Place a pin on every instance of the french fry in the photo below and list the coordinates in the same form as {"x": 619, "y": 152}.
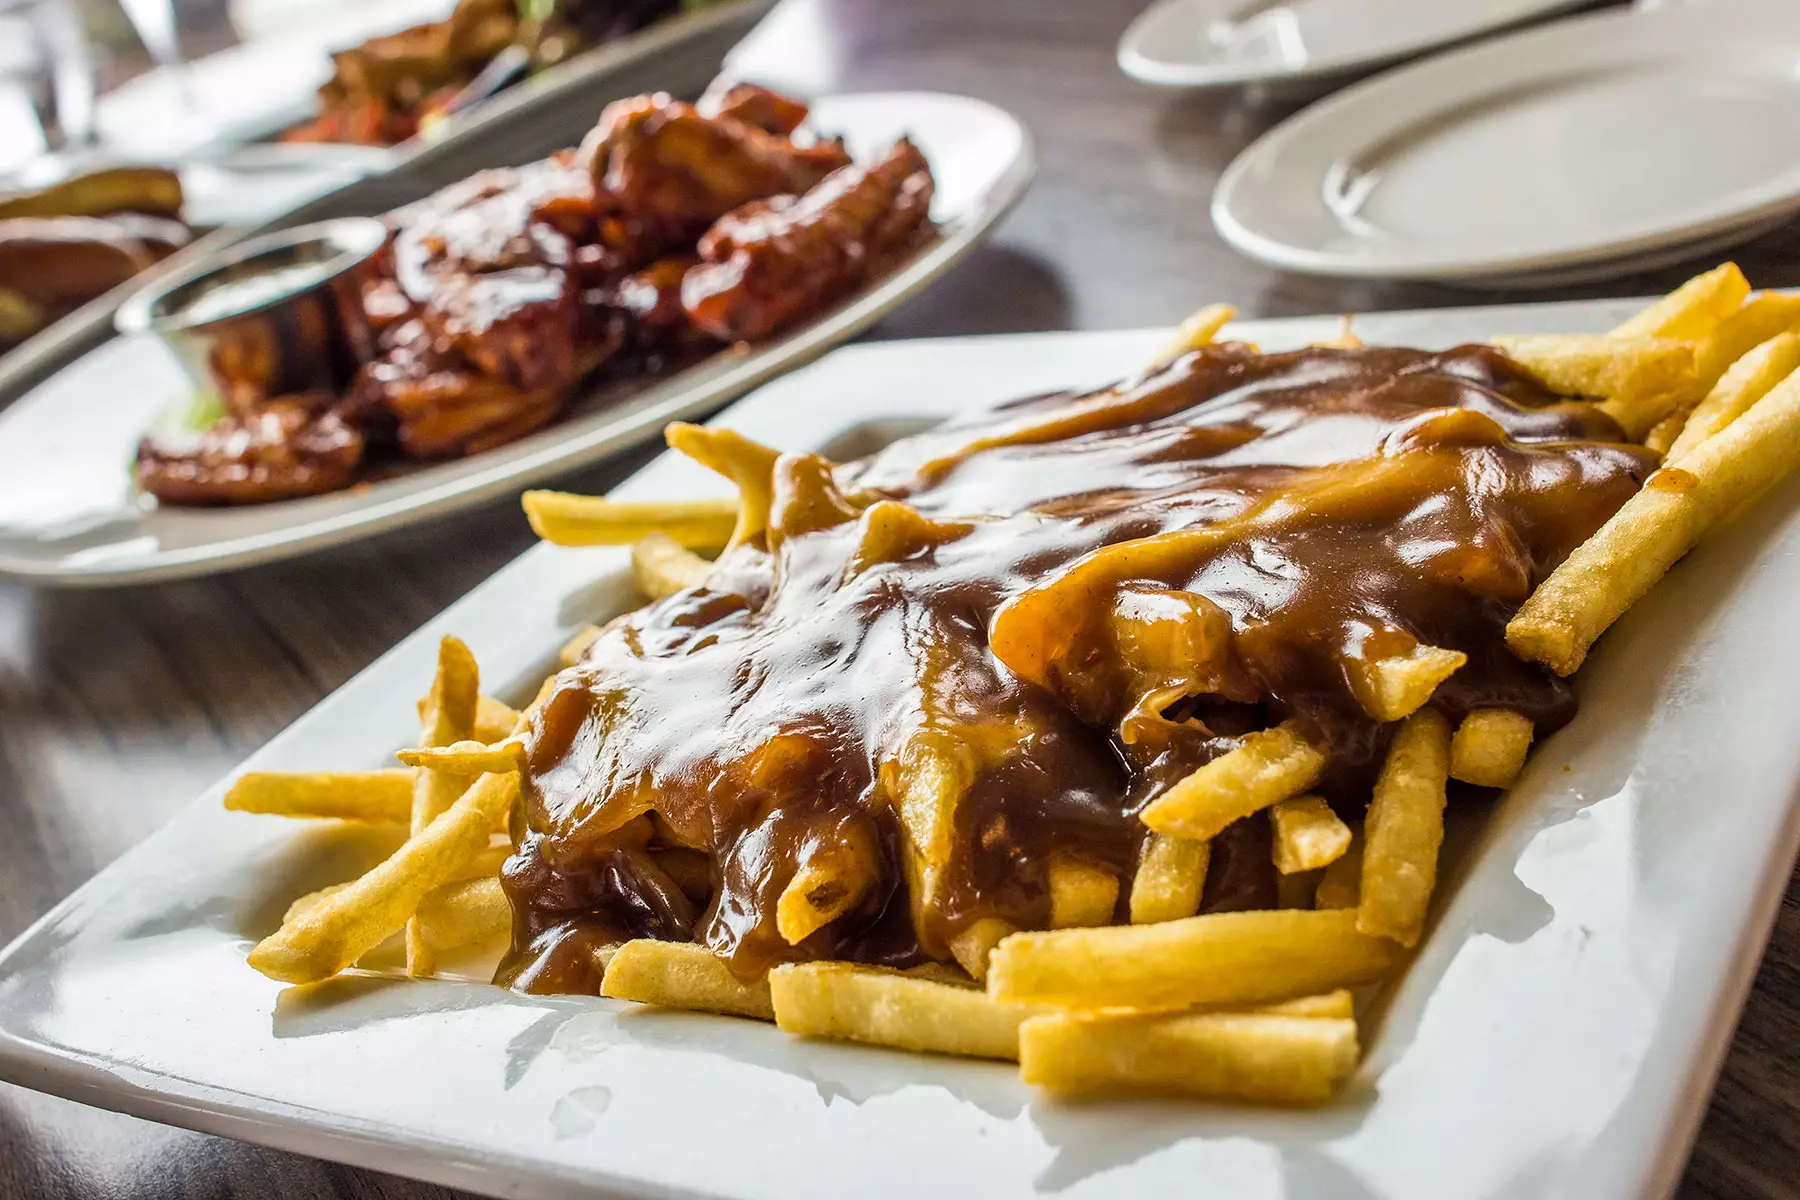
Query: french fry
{"x": 449, "y": 718}
{"x": 1170, "y": 877}
{"x": 1601, "y": 366}
{"x": 464, "y": 914}
{"x": 973, "y": 948}
{"x": 352, "y": 922}
{"x": 1341, "y": 884}
{"x": 310, "y": 901}
{"x": 1221, "y": 959}
{"x": 828, "y": 884}
{"x": 927, "y": 783}
{"x": 1693, "y": 309}
{"x": 571, "y": 520}
{"x": 493, "y": 719}
{"x": 1296, "y": 1061}
{"x": 748, "y": 464}
{"x": 1398, "y": 685}
{"x": 662, "y": 566}
{"x": 575, "y": 647}
{"x": 1613, "y": 569}
{"x": 886, "y": 1008}
{"x": 466, "y": 758}
{"x": 1490, "y": 746}
{"x": 1404, "y": 829}
{"x": 683, "y": 975}
{"x": 1198, "y": 330}
{"x": 485, "y": 865}
{"x": 1745, "y": 382}
{"x": 1266, "y": 766}
{"x": 1308, "y": 835}
{"x": 1638, "y": 380}
{"x": 1081, "y": 894}
{"x": 1761, "y": 318}
{"x": 1769, "y": 315}
{"x": 1338, "y": 1004}
{"x": 378, "y": 797}
{"x": 1662, "y": 435}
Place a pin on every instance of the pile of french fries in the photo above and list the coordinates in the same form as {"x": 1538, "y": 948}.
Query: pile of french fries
{"x": 1241, "y": 1006}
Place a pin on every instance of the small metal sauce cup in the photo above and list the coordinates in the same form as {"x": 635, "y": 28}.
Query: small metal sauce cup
{"x": 302, "y": 330}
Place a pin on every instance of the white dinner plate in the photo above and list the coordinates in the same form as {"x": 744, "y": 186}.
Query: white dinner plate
{"x": 1237, "y": 43}
{"x": 69, "y": 514}
{"x": 1557, "y": 1034}
{"x": 1608, "y": 137}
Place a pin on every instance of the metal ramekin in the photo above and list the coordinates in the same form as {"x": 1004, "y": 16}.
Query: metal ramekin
{"x": 306, "y": 339}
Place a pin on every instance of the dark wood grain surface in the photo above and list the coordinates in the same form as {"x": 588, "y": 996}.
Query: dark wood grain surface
{"x": 118, "y": 707}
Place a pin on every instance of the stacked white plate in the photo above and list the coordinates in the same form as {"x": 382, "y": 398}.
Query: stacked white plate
{"x": 1303, "y": 45}
{"x": 1579, "y": 149}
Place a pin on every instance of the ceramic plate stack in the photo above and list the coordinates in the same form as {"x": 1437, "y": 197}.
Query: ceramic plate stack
{"x": 1584, "y": 148}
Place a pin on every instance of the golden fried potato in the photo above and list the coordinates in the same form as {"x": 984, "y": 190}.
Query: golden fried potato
{"x": 1308, "y": 835}
{"x": 683, "y": 975}
{"x": 1490, "y": 746}
{"x": 887, "y": 1008}
{"x": 1081, "y": 894}
{"x": 350, "y": 923}
{"x": 379, "y": 797}
{"x": 1170, "y": 877}
{"x": 1692, "y": 310}
{"x": 1296, "y": 1061}
{"x": 1200, "y": 329}
{"x": 1399, "y": 685}
{"x": 1404, "y": 829}
{"x": 1614, "y": 569}
{"x": 662, "y": 566}
{"x": 570, "y": 520}
{"x": 1221, "y": 958}
{"x": 1266, "y": 766}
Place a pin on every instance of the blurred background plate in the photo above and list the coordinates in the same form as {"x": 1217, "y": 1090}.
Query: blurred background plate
{"x": 261, "y": 188}
{"x": 71, "y": 515}
{"x": 1305, "y": 43}
{"x": 1585, "y": 147}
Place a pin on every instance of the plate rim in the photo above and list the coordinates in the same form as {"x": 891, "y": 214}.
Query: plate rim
{"x": 1210, "y": 76}
{"x": 1237, "y": 232}
{"x": 725, "y": 375}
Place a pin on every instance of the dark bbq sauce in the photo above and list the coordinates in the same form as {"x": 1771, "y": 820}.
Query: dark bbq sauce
{"x": 1053, "y": 611}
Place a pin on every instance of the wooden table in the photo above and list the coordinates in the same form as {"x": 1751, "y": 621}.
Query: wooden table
{"x": 116, "y": 708}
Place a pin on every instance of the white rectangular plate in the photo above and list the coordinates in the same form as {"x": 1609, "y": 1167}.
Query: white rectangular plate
{"x": 1557, "y": 1034}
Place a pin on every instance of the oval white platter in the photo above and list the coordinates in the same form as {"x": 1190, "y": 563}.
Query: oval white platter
{"x": 69, "y": 514}
{"x": 1240, "y": 43}
{"x": 1610, "y": 138}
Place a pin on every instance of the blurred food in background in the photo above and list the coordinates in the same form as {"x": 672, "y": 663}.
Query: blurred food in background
{"x": 674, "y": 231}
{"x": 65, "y": 244}
{"x": 391, "y": 88}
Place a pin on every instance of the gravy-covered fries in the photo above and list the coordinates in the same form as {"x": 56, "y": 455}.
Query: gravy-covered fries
{"x": 1108, "y": 733}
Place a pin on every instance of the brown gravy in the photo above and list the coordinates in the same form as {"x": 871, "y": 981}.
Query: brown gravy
{"x": 1074, "y": 600}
